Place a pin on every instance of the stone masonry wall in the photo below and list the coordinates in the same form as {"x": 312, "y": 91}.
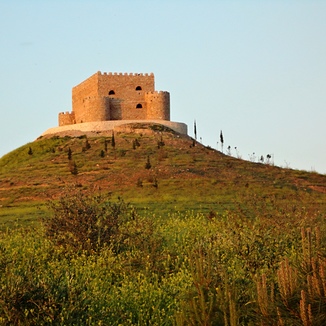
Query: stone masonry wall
{"x": 126, "y": 94}
{"x": 85, "y": 89}
{"x": 94, "y": 108}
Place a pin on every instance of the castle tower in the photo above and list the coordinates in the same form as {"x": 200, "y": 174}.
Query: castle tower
{"x": 158, "y": 105}
{"x": 66, "y": 118}
{"x": 94, "y": 108}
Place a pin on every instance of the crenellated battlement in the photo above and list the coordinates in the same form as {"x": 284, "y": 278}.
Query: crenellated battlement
{"x": 125, "y": 74}
{"x": 158, "y": 92}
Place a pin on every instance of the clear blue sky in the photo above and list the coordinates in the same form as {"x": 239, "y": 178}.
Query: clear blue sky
{"x": 254, "y": 69}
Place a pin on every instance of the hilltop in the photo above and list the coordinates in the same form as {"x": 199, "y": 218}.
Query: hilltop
{"x": 150, "y": 166}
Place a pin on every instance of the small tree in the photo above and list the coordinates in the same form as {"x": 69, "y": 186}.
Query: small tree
{"x": 269, "y": 159}
{"x": 87, "y": 144}
{"x": 195, "y": 130}
{"x": 160, "y": 143}
{"x": 148, "y": 164}
{"x": 139, "y": 183}
{"x": 30, "y": 151}
{"x": 105, "y": 145}
{"x": 155, "y": 183}
{"x": 69, "y": 154}
{"x": 221, "y": 140}
{"x": 113, "y": 140}
{"x": 137, "y": 142}
{"x": 102, "y": 154}
{"x": 73, "y": 168}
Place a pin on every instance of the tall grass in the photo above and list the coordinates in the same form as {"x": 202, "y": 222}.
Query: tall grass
{"x": 182, "y": 269}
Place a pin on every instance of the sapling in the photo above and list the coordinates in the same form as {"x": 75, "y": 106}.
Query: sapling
{"x": 148, "y": 164}
{"x": 69, "y": 153}
{"x": 113, "y": 140}
{"x": 221, "y": 140}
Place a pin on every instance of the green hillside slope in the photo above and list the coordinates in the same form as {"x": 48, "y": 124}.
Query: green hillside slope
{"x": 181, "y": 175}
{"x": 207, "y": 239}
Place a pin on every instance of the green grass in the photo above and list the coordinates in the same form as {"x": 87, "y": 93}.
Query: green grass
{"x": 188, "y": 178}
{"x": 22, "y": 215}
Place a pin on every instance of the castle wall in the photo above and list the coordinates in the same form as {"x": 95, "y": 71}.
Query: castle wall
{"x": 66, "y": 118}
{"x": 92, "y": 128}
{"x": 87, "y": 88}
{"x": 128, "y": 100}
{"x": 158, "y": 105}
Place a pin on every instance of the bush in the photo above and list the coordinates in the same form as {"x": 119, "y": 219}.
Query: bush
{"x": 83, "y": 221}
{"x": 73, "y": 167}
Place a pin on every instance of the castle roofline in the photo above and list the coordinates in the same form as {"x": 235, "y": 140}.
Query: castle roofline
{"x": 124, "y": 74}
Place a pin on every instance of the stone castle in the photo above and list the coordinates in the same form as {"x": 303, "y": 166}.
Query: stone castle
{"x": 107, "y": 100}
{"x": 113, "y": 96}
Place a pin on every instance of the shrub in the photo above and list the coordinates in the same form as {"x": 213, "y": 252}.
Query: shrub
{"x": 139, "y": 183}
{"x": 73, "y": 167}
{"x": 160, "y": 143}
{"x": 87, "y": 144}
{"x": 82, "y": 221}
{"x": 137, "y": 143}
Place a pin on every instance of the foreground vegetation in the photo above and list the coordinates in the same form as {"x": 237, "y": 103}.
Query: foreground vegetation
{"x": 96, "y": 261}
{"x": 207, "y": 239}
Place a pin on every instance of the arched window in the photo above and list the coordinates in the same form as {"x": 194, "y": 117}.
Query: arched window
{"x": 138, "y": 88}
{"x": 111, "y": 92}
{"x": 139, "y": 106}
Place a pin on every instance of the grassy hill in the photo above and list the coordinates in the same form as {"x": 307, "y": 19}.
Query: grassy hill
{"x": 183, "y": 175}
{"x": 208, "y": 239}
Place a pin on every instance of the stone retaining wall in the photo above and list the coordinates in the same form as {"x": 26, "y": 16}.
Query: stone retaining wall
{"x": 103, "y": 126}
